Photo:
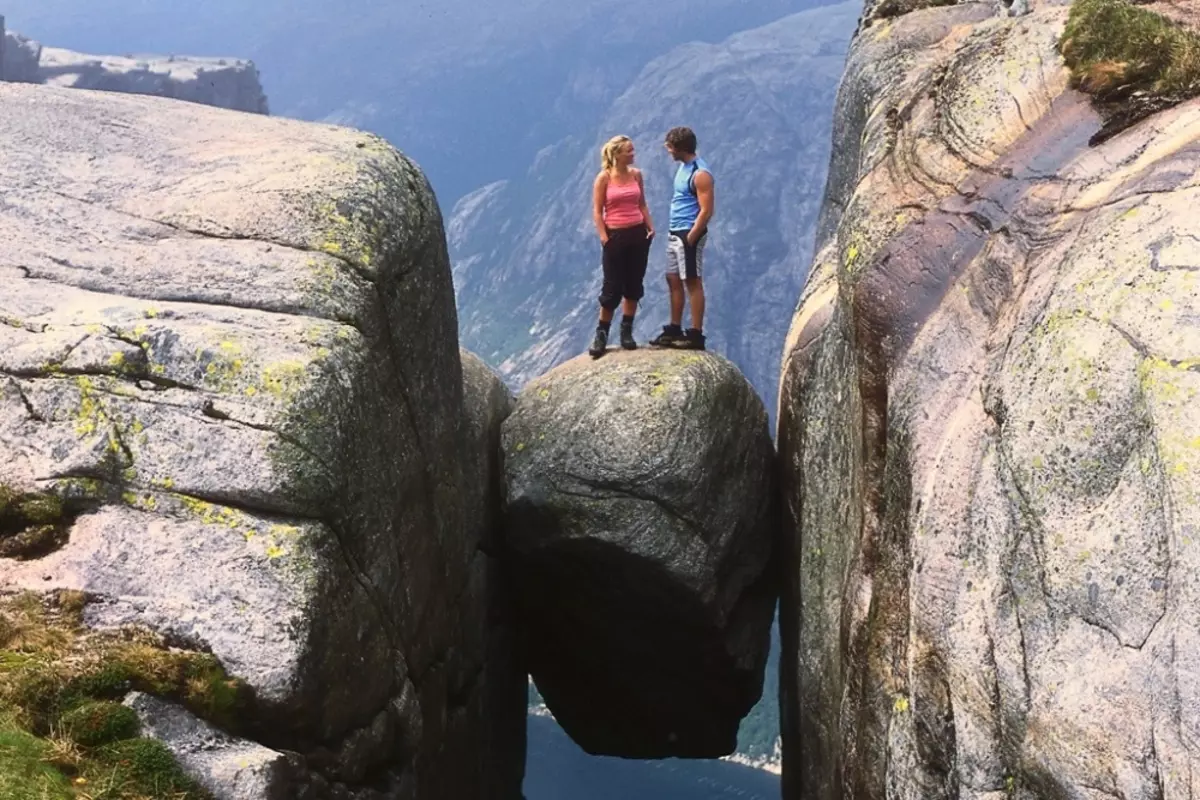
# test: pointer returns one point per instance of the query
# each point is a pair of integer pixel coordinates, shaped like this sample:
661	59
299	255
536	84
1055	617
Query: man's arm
704	193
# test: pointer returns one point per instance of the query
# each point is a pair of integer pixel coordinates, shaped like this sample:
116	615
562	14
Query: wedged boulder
229	349
503	690
988	421
640	524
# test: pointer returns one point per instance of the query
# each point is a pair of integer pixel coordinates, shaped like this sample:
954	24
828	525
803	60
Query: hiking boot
599	344
692	339
627	342
670	336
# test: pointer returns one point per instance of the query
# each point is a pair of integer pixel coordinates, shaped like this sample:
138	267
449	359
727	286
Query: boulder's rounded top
645	377
639	411
631	361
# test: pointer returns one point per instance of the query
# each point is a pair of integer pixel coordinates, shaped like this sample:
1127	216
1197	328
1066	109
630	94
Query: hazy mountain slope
525	253
470	89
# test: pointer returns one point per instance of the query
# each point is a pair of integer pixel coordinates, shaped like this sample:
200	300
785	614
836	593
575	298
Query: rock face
229	343
222	82
988	421
640	523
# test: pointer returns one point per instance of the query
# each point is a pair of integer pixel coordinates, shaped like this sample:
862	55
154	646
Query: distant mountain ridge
471	90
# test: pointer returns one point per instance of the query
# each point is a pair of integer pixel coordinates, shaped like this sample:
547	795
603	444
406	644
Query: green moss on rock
62	725
99	722
144	766
1132	61
1114	47
32	524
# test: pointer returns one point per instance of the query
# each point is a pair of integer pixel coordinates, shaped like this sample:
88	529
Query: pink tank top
622	204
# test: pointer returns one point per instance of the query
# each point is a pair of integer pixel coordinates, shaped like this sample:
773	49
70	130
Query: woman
625	228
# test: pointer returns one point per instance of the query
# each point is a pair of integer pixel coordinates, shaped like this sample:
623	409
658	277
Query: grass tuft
93	723
25	773
1114	49
63	730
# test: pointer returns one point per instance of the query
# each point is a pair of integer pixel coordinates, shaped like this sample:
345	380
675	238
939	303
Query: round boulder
640	523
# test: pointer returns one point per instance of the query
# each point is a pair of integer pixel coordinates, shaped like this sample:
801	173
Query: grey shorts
683	260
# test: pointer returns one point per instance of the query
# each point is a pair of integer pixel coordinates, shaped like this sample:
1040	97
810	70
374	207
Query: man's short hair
682	139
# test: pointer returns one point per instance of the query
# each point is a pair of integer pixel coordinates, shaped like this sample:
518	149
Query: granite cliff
988	414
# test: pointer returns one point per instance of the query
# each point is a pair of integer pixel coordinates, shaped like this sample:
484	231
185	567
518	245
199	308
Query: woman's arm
645	208
599	188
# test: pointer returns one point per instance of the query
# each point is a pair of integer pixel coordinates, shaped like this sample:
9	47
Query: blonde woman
626	230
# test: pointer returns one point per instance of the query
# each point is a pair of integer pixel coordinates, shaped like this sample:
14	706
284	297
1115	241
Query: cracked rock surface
988	434
231	341
640	525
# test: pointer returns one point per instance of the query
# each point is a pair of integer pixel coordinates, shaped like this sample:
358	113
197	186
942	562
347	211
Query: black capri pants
624	261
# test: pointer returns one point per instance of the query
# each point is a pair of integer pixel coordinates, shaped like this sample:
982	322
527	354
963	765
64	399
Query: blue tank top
685	206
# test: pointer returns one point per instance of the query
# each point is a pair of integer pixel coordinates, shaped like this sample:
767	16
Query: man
691	210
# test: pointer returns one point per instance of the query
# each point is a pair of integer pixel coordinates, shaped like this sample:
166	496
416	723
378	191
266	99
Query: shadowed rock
504	680
987	423
640	523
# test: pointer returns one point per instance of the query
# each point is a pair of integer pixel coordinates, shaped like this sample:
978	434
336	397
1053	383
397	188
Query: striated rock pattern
640	524
223	82
988	419
228	342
